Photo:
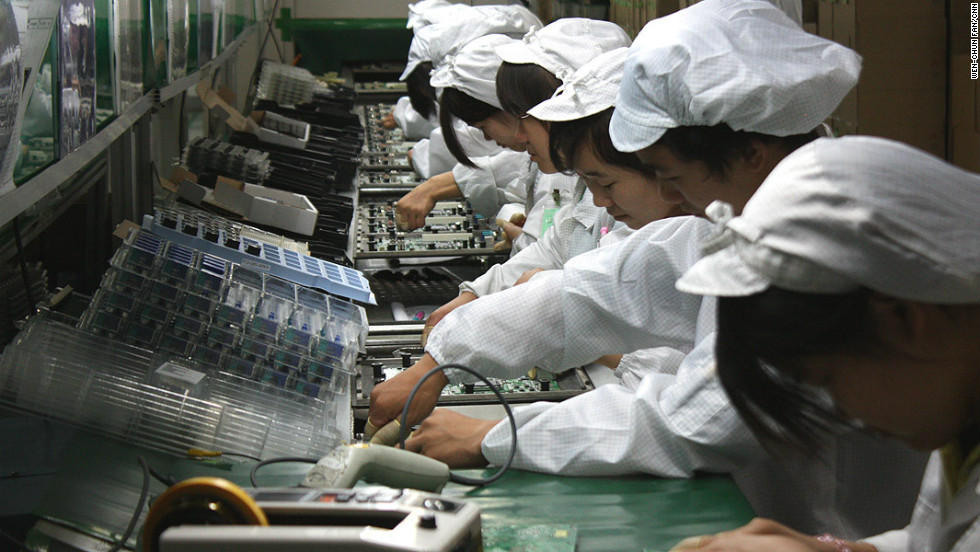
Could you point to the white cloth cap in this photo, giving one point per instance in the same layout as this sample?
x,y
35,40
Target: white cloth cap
x,y
434,42
590,89
739,62
565,45
473,69
428,12
856,211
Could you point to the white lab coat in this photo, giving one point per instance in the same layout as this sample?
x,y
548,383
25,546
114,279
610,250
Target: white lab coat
x,y
511,177
578,228
616,299
542,191
495,181
414,126
430,156
939,525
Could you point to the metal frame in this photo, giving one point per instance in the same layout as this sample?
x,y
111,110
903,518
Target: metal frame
x,y
20,199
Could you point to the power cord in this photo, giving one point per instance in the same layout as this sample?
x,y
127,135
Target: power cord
x,y
144,492
475,482
23,264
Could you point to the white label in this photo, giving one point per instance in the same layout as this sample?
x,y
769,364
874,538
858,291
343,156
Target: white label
x,y
180,373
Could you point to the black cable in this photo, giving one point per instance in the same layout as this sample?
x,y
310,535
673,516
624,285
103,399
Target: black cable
x,y
139,507
258,62
23,264
209,112
255,468
180,122
510,417
168,481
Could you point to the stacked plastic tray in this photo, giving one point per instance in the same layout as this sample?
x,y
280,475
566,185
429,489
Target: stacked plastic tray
x,y
98,382
286,84
187,303
245,164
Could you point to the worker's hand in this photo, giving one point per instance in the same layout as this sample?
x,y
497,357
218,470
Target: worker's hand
x,y
762,535
442,311
451,438
388,398
528,274
388,121
513,227
413,207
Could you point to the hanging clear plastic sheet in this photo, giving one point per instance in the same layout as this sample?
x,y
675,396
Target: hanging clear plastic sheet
x,y
206,32
11,81
177,38
127,16
76,60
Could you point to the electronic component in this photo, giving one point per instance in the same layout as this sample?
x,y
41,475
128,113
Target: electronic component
x,y
247,165
204,514
381,180
386,160
385,361
452,228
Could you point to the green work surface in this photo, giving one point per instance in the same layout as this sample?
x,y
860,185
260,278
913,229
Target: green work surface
x,y
611,513
96,487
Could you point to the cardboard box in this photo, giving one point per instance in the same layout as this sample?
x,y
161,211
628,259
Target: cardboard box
x,y
267,206
963,136
632,16
902,91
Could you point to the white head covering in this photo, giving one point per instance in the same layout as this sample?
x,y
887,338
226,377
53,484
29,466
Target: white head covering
x,y
565,45
739,62
857,211
473,69
589,90
428,12
434,42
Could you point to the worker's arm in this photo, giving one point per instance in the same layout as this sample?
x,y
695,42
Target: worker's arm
x,y
388,398
414,206
610,300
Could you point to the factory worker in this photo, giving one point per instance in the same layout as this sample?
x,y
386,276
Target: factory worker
x,y
427,12
698,67
416,114
539,59
626,193
579,115
429,46
490,182
850,296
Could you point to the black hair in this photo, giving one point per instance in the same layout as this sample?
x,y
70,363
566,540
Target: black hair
x,y
759,336
421,93
717,146
467,108
523,86
567,138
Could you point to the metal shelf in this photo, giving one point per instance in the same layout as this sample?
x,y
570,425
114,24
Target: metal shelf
x,y
21,198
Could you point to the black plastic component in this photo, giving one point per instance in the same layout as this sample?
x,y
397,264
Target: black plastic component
x,y
427,521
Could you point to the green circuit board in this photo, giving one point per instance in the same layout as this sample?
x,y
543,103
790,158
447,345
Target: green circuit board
x,y
529,538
